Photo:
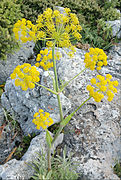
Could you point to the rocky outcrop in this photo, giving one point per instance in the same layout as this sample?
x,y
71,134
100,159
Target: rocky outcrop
x,y
1,116
23,104
93,134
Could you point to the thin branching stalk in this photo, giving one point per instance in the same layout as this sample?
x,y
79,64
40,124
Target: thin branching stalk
x,y
47,89
71,80
59,105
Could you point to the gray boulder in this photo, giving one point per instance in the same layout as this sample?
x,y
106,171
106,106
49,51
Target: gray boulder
x,y
114,62
116,28
23,104
17,57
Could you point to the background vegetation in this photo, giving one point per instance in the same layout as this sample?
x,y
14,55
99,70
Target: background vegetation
x,y
10,12
92,15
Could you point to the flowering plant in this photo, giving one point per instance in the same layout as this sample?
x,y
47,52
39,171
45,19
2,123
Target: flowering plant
x,y
58,30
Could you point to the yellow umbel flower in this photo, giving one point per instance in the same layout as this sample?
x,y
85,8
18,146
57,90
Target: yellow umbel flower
x,y
95,58
58,29
42,119
44,59
25,76
102,86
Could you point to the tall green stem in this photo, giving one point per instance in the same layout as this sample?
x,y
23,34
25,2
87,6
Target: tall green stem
x,y
60,109
56,84
49,159
57,134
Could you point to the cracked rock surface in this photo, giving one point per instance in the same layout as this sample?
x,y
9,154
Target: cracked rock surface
x,y
93,134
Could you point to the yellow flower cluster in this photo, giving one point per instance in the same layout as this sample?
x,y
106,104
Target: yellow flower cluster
x,y
58,29
27,29
102,86
42,119
44,59
25,76
95,58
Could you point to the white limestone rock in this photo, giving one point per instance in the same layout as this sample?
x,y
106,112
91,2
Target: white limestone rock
x,y
116,28
94,132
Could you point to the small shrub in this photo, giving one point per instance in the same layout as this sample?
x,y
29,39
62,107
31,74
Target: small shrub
x,y
62,168
9,14
109,3
95,31
111,14
101,36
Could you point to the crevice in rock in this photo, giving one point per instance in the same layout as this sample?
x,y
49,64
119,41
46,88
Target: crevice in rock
x,y
93,105
89,114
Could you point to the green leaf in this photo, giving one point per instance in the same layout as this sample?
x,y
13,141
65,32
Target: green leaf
x,y
66,120
49,174
48,139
